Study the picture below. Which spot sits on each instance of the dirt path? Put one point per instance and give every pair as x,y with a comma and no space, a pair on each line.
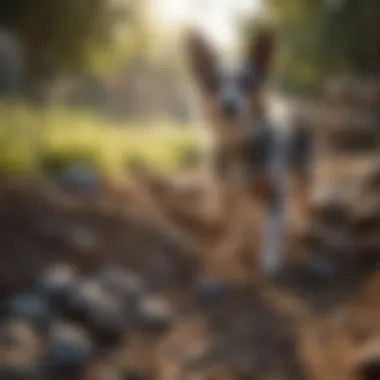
319,320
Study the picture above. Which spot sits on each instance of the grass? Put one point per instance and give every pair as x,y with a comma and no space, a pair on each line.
29,137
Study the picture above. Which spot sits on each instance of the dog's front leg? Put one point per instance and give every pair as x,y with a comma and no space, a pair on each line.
272,251
271,256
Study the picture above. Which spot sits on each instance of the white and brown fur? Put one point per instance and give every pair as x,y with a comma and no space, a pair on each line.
246,151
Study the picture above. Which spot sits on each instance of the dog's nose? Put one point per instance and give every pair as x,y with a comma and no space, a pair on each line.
229,108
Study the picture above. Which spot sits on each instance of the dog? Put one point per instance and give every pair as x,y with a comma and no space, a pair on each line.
247,149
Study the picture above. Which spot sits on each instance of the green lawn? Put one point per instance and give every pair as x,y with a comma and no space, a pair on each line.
28,137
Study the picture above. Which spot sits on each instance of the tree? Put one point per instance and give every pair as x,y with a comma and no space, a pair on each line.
64,35
319,39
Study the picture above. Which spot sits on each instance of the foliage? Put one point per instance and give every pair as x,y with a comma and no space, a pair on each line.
31,140
133,40
76,34
317,39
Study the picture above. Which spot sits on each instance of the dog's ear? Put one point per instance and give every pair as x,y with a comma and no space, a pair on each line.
260,51
202,60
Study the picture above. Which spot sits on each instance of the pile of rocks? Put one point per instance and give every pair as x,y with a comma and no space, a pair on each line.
349,120
339,239
67,321
146,310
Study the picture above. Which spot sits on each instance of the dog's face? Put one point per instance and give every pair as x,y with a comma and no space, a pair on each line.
235,95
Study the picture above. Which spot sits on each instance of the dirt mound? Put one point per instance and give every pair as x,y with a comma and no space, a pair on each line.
132,283
348,119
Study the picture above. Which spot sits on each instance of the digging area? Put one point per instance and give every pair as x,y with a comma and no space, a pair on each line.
182,308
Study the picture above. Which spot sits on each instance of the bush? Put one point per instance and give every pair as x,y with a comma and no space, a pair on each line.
188,156
50,141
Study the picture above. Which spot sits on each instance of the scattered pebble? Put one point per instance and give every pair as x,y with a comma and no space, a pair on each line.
57,283
155,314
21,345
69,350
107,322
32,308
210,289
86,294
121,282
80,177
16,333
322,267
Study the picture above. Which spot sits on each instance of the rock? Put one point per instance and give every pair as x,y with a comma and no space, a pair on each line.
108,322
155,314
102,312
120,282
322,268
57,283
211,289
20,345
69,350
15,332
307,277
80,177
81,299
32,308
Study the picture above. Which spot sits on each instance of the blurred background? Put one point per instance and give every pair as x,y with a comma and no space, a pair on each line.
110,266
92,78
